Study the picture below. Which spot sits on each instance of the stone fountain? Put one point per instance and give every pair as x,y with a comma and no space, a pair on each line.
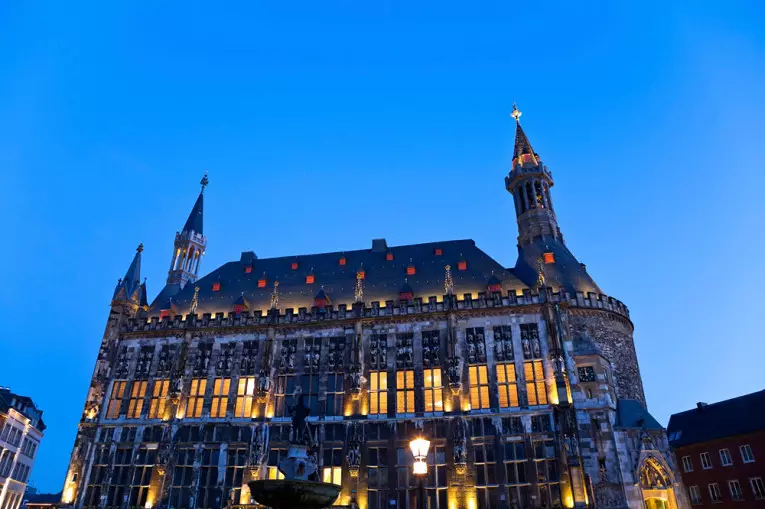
300,487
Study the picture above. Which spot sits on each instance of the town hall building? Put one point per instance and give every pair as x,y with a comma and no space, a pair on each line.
525,379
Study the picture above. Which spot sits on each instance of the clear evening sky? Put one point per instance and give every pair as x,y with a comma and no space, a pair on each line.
325,124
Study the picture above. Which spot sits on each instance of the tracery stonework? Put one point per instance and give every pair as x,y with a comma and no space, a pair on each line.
525,380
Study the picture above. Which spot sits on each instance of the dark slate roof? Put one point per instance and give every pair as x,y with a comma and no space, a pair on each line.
382,279
43,498
194,222
522,143
566,272
22,404
737,416
131,283
630,413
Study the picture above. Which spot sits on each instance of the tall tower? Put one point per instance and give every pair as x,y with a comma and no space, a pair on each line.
190,244
529,182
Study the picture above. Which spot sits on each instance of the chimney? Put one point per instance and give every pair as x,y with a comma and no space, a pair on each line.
700,405
379,245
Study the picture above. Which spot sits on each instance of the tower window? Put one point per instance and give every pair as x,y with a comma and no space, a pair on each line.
216,287
548,257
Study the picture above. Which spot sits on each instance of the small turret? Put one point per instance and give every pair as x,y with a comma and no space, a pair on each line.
130,290
190,244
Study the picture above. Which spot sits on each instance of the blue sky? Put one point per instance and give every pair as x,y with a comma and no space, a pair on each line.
325,124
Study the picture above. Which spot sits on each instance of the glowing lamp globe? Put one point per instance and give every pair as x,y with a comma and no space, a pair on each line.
420,467
419,447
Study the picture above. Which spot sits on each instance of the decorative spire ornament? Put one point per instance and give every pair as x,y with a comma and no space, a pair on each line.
516,114
204,182
194,301
448,281
358,293
275,295
139,249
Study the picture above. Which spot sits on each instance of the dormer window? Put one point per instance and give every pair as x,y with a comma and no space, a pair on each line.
216,287
262,282
294,265
438,251
389,256
309,279
342,261
239,308
321,300
165,313
410,270
548,257
248,269
462,265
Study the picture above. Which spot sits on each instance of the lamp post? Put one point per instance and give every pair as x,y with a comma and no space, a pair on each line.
419,447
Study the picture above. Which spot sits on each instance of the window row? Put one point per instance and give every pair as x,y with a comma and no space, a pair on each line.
726,460
734,488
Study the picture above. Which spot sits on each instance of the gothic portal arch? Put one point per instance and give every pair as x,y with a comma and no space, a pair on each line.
656,483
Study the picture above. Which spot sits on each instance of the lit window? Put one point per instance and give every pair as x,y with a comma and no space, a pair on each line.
758,488
294,265
262,283
389,256
274,457
248,269
333,475
746,453
164,313
725,459
434,391
735,490
115,402
438,251
462,265
405,391
220,397
309,279
687,464
706,463
158,401
535,383
361,274
410,270
244,393
507,384
343,261
216,287
549,257
695,494
196,397
378,393
479,387
714,493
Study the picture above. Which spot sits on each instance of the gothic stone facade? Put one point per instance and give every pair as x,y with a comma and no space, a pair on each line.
525,379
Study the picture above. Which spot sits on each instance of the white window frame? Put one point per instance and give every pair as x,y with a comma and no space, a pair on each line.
758,481
694,492
715,494
746,458
726,459
706,465
737,495
687,464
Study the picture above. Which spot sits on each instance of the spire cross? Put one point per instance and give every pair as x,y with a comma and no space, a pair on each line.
139,249
205,181
516,114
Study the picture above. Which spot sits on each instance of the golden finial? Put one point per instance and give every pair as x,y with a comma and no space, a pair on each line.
139,249
516,114
205,181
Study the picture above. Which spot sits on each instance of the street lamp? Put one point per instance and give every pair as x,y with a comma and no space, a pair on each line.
419,447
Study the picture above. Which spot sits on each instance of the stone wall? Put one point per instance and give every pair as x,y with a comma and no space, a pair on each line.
612,336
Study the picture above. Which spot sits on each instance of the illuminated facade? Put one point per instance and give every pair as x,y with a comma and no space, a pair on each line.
525,379
21,430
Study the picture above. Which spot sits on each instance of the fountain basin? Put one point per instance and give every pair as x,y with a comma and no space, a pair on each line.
286,494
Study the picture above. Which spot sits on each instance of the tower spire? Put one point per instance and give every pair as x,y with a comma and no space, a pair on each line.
129,289
529,182
190,244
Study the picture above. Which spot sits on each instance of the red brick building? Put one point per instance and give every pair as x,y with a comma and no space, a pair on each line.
720,449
